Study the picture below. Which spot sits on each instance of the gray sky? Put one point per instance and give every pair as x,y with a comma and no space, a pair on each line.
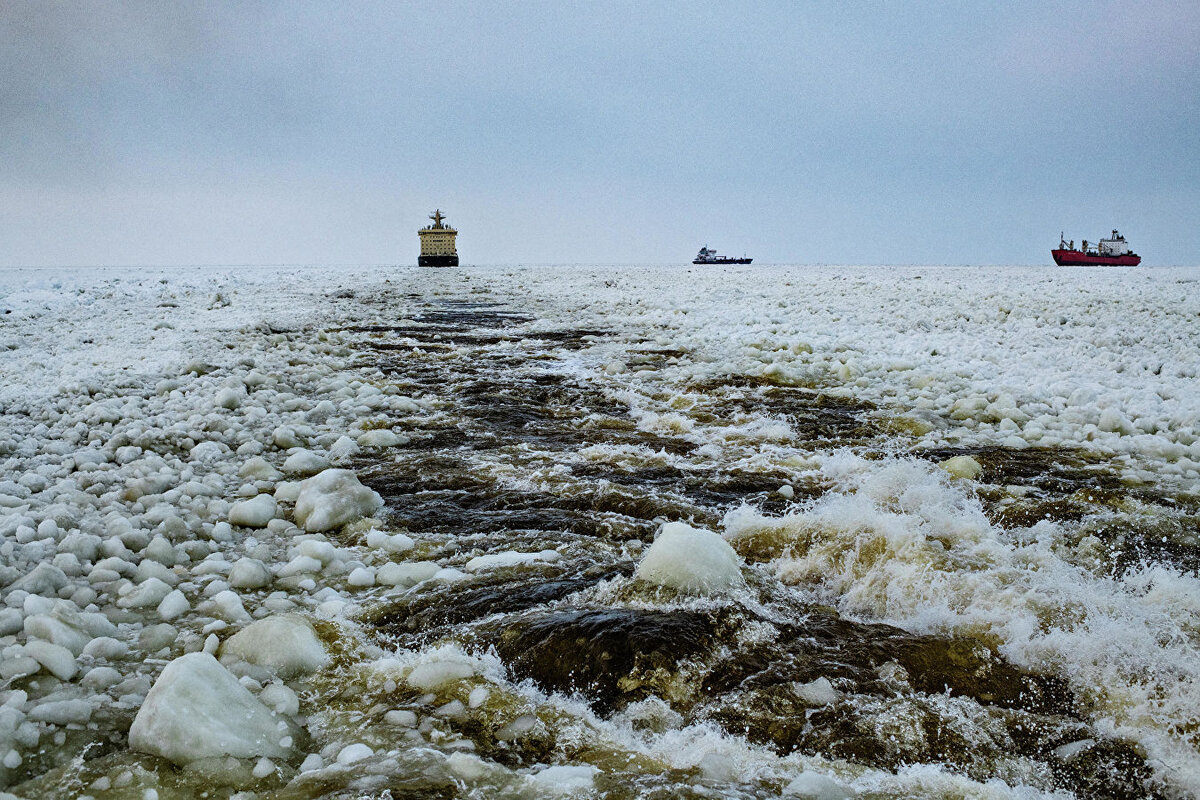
305,132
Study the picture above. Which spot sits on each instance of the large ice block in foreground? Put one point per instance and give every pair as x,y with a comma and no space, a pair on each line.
333,498
690,560
197,709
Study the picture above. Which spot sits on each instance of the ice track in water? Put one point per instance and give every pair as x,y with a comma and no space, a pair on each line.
600,532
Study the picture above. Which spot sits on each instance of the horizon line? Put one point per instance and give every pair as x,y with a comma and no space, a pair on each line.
393,265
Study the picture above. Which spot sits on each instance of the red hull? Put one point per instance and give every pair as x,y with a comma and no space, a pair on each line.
1075,258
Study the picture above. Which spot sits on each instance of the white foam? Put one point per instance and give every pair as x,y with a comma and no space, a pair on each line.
899,543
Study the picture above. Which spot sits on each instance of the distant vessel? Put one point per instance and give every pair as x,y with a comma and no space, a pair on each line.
706,256
1111,252
437,243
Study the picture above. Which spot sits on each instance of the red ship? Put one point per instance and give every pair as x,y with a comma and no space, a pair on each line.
1112,252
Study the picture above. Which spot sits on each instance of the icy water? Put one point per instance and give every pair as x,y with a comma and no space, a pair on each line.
896,631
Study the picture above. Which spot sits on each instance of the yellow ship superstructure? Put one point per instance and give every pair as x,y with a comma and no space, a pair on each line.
437,243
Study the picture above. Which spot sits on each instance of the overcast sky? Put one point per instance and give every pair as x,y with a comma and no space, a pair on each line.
560,132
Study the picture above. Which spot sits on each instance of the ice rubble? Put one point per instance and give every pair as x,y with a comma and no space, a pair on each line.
144,511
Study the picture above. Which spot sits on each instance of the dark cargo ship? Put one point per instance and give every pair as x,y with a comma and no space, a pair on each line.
437,243
707,256
1111,252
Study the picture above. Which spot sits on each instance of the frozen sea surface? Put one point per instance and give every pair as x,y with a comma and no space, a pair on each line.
392,532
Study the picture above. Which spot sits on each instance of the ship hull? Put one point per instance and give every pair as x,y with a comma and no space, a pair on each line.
723,260
1075,258
437,261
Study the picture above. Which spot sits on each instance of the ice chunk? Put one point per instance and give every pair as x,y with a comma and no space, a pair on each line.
407,574
690,560
818,693
259,469
209,452
565,779
153,638
17,665
198,709
280,698
62,712
228,606
509,558
300,565
249,573
304,462
361,577
106,647
962,467
284,438
287,491
285,644
317,548
149,592
445,668
343,450
380,437
174,605
229,397
333,498
49,629
353,753
58,660
401,718
44,579
100,678
393,543
160,550
11,621
1113,421
255,513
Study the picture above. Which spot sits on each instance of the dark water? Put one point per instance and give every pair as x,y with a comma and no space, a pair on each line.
579,626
